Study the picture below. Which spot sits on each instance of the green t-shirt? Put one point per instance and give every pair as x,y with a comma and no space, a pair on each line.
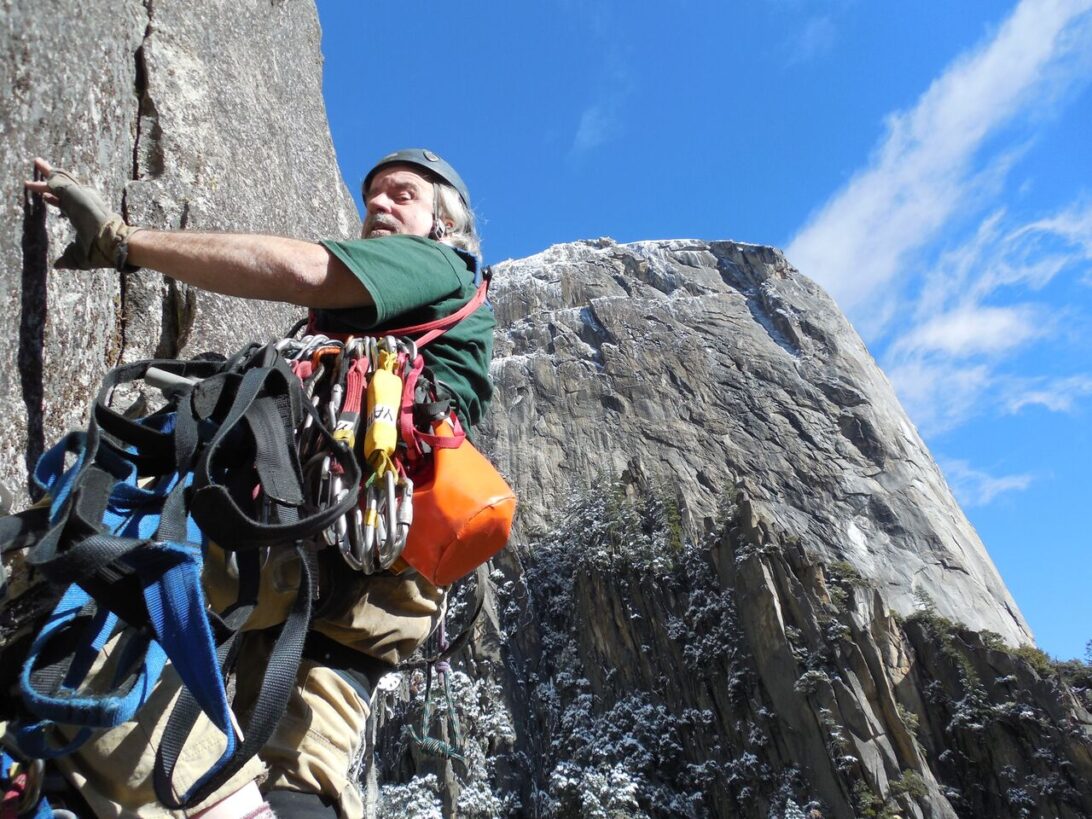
413,280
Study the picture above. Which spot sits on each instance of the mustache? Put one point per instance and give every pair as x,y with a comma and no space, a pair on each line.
380,220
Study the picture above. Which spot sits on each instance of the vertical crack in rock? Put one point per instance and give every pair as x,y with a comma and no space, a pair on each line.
179,314
179,309
148,161
32,321
182,303
147,125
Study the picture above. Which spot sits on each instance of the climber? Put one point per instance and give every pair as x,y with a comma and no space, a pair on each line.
416,262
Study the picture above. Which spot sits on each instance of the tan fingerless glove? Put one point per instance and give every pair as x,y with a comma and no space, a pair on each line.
102,237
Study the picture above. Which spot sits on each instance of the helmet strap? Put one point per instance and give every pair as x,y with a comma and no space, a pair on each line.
439,229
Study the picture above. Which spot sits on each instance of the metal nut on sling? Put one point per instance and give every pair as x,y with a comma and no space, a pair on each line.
405,515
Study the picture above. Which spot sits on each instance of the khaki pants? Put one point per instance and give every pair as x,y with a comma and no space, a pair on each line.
317,745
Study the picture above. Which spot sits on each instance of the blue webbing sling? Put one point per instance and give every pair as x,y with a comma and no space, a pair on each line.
133,506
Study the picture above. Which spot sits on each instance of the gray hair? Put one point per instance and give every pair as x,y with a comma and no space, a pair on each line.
448,206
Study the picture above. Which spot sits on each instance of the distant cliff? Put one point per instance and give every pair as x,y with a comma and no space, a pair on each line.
741,586
705,364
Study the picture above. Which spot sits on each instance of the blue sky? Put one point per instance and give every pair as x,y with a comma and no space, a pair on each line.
928,163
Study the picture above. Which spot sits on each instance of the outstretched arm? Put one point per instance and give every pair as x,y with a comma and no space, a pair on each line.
254,266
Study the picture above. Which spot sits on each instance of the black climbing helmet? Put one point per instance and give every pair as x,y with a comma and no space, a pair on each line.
427,161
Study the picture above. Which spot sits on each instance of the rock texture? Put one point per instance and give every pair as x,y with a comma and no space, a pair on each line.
740,585
206,116
701,364
627,674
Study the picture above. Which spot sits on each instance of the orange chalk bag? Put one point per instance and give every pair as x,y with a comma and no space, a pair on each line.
430,500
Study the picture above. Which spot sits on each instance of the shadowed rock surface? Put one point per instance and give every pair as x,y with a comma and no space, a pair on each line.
207,116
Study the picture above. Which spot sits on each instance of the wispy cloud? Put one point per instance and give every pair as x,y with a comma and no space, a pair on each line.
602,118
1056,394
859,243
919,250
974,330
940,397
973,487
1072,226
815,39
949,363
598,124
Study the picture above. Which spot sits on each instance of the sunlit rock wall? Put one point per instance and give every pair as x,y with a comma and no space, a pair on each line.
207,116
700,365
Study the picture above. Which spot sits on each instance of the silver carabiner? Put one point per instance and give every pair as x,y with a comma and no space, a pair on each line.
355,539
349,544
405,514
371,522
389,547
409,346
329,486
372,349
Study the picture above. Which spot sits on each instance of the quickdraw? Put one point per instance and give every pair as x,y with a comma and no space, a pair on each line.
338,377
424,740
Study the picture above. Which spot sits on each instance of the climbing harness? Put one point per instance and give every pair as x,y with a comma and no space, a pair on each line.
260,452
132,506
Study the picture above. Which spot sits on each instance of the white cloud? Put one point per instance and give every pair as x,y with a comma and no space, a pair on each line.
1057,395
940,396
1073,226
601,121
859,242
597,126
974,487
951,360
972,330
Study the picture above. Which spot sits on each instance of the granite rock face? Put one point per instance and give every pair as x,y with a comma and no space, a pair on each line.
179,113
628,673
740,586
700,365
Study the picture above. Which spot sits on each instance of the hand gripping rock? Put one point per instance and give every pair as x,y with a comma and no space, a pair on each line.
101,235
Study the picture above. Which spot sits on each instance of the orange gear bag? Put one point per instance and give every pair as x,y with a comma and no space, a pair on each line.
462,512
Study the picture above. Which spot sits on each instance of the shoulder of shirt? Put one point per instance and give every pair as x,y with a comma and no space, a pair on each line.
456,257
467,258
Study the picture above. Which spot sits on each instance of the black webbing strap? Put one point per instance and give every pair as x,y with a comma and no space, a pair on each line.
19,531
214,508
361,671
76,550
152,449
233,428
277,685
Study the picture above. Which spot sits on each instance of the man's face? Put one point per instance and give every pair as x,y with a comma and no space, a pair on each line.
399,200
